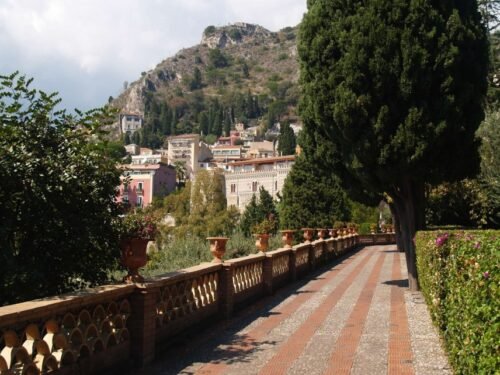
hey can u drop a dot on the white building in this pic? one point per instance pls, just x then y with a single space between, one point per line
244 178
130 122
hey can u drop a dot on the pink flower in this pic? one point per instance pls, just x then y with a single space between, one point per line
486 275
477 245
441 240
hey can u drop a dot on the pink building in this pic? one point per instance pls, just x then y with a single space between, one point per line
146 181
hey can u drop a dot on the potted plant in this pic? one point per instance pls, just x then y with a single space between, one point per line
262 232
136 231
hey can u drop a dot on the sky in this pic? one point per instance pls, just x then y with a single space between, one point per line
87 49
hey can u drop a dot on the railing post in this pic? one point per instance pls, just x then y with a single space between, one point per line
226 291
268 274
142 324
311 257
292 265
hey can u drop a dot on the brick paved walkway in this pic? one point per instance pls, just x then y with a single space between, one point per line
352 317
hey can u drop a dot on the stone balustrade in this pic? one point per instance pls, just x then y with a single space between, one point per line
116 326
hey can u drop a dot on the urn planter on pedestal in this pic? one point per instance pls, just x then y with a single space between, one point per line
133 257
217 248
287 238
308 234
321 233
262 242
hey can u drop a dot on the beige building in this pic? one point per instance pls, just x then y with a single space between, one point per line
244 178
226 153
264 149
187 149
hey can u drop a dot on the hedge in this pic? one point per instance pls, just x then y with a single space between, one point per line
458 275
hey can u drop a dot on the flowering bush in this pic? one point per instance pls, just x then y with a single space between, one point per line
458 274
139 225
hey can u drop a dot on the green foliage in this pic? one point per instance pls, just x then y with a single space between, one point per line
139 225
312 197
361 213
196 82
209 30
489 178
235 34
286 139
459 276
217 58
182 252
461 203
208 215
259 210
58 182
394 90
266 226
472 202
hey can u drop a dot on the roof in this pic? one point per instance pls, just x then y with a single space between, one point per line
226 146
183 136
266 145
145 167
271 160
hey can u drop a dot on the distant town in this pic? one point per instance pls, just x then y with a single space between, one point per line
246 164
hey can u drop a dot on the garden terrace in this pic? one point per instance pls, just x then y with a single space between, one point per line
118 326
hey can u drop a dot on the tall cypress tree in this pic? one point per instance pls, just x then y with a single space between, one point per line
397 87
287 141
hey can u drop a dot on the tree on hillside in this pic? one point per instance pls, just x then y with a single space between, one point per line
58 184
397 87
312 197
286 139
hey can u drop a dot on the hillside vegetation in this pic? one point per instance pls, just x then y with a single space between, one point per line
238 73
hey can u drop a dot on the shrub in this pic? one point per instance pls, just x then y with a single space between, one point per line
458 274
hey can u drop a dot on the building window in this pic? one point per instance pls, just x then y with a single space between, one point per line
276 185
140 186
254 186
233 188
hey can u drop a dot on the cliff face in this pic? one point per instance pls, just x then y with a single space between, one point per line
254 59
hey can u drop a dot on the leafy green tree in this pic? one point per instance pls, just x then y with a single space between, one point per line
312 197
286 139
397 87
251 216
58 184
208 215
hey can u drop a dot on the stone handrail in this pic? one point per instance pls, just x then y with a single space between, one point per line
114 326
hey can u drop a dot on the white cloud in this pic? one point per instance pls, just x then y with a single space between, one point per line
114 40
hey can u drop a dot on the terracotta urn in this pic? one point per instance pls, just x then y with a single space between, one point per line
133 257
262 242
287 238
308 234
321 233
334 233
217 248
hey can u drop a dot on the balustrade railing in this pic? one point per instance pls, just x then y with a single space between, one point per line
111 326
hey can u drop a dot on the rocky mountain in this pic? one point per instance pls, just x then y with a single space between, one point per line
238 73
